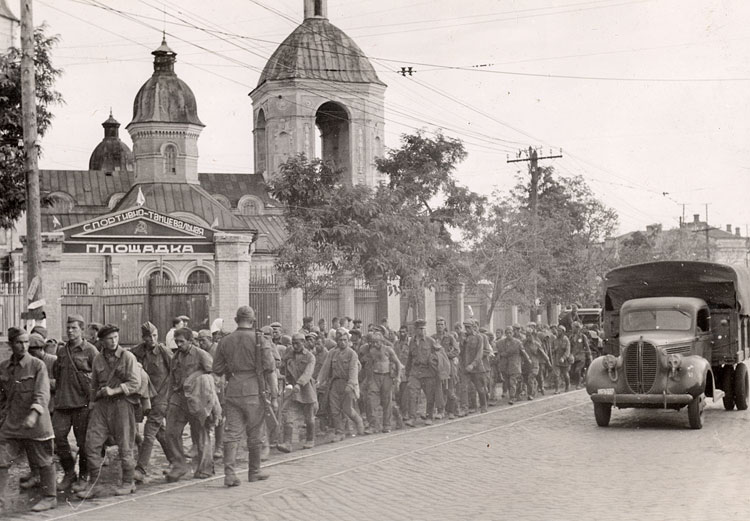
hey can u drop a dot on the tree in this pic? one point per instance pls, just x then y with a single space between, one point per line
573 224
402 229
12 172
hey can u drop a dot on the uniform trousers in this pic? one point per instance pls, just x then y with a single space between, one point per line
380 392
341 402
62 421
177 417
112 418
153 430
426 384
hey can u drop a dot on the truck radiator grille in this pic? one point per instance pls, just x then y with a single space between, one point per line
640 367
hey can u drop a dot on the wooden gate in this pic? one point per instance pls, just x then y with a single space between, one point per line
130 304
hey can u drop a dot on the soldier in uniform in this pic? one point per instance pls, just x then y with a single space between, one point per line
115 384
187 360
511 349
72 372
401 348
579 348
340 377
383 363
422 372
155 359
246 361
25 424
300 364
533 348
561 353
451 348
472 367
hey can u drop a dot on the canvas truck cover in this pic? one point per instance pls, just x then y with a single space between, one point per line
719 285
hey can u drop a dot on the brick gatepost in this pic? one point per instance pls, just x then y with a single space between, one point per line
52 282
232 274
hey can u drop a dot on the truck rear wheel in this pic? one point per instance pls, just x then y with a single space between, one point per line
695 412
602 413
741 387
727 385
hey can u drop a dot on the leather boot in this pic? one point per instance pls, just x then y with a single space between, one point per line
360 425
230 456
30 483
128 482
286 445
253 465
309 436
94 489
48 480
67 480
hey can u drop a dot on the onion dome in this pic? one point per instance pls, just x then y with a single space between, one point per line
319 50
111 155
165 98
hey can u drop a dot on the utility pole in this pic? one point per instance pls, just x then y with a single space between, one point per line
30 134
533 160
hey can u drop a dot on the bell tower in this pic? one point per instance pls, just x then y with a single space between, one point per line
319 95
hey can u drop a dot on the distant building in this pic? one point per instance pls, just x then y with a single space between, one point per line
10 28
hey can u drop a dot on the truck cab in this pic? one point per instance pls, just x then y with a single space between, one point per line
675 333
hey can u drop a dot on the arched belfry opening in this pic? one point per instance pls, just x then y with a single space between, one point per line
333 124
261 143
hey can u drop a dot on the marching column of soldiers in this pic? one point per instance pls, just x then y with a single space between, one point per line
250 388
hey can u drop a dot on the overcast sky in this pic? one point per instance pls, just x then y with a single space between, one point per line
644 97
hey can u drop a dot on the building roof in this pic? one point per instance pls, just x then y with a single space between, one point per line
111 154
167 198
87 187
271 225
5 12
234 186
165 98
319 50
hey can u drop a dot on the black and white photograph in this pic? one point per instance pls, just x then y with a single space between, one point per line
374 260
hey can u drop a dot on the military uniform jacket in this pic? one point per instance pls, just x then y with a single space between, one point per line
24 387
72 374
236 359
472 352
510 349
422 361
183 364
341 364
117 369
561 351
579 347
299 371
156 363
535 351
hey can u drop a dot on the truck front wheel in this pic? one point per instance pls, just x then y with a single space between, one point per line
741 387
602 413
727 385
695 412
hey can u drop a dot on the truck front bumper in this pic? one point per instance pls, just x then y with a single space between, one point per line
647 401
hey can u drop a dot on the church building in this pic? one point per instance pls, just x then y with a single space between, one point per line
150 214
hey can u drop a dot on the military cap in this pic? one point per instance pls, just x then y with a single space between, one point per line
107 330
482 329
357 320
297 336
75 318
307 319
379 329
15 332
311 334
468 322
216 325
266 330
561 328
184 318
36 341
245 313
41 330
531 324
330 344
204 333
356 332
276 324
420 323
516 326
342 332
438 319
148 329
287 340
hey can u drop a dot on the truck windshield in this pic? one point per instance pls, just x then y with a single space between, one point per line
653 319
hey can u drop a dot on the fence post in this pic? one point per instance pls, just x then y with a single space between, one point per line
389 305
51 255
291 309
148 302
458 304
232 267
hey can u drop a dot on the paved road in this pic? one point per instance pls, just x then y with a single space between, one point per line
539 460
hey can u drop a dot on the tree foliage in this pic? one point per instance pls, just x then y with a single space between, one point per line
399 229
12 172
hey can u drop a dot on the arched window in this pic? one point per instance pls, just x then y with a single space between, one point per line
223 201
170 159
261 144
249 205
199 277
160 276
60 202
318 7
